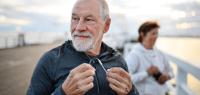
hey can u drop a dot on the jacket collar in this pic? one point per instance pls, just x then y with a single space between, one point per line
106 53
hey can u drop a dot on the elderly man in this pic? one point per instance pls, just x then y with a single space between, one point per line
84 65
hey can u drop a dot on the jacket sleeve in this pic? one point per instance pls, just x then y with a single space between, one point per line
133 65
41 82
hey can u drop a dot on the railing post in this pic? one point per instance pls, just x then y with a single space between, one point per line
6 42
181 80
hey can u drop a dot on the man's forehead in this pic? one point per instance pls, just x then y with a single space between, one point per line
85 15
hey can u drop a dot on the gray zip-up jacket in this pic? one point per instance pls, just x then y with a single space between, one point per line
55 65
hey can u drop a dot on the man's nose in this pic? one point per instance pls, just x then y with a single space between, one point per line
81 26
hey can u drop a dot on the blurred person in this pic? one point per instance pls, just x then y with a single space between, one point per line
85 65
147 65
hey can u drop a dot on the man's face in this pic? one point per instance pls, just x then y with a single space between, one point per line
87 25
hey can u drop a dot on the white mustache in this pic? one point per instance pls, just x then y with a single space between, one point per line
77 33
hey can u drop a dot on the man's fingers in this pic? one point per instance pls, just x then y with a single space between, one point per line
119 78
118 90
116 83
83 88
78 85
83 82
86 81
77 74
81 68
88 75
122 77
120 71
87 87
69 83
77 92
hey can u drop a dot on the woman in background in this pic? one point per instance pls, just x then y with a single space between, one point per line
148 66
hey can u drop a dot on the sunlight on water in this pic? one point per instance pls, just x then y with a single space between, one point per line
187 49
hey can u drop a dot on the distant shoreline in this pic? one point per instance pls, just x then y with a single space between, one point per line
180 36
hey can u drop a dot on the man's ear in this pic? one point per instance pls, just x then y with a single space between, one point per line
107 25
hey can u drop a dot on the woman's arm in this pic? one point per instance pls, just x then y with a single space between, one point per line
133 65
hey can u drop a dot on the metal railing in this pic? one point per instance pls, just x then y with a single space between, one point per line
183 69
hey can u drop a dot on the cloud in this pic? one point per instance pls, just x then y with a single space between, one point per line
14 21
145 8
60 8
41 15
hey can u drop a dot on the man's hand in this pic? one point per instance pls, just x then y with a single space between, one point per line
119 80
80 80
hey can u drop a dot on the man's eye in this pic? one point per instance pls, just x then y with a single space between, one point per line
75 18
88 19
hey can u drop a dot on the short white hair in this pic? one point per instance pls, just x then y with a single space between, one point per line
104 9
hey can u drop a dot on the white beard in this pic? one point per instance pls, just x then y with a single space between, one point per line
80 44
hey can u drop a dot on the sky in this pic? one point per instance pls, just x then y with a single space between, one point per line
182 16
